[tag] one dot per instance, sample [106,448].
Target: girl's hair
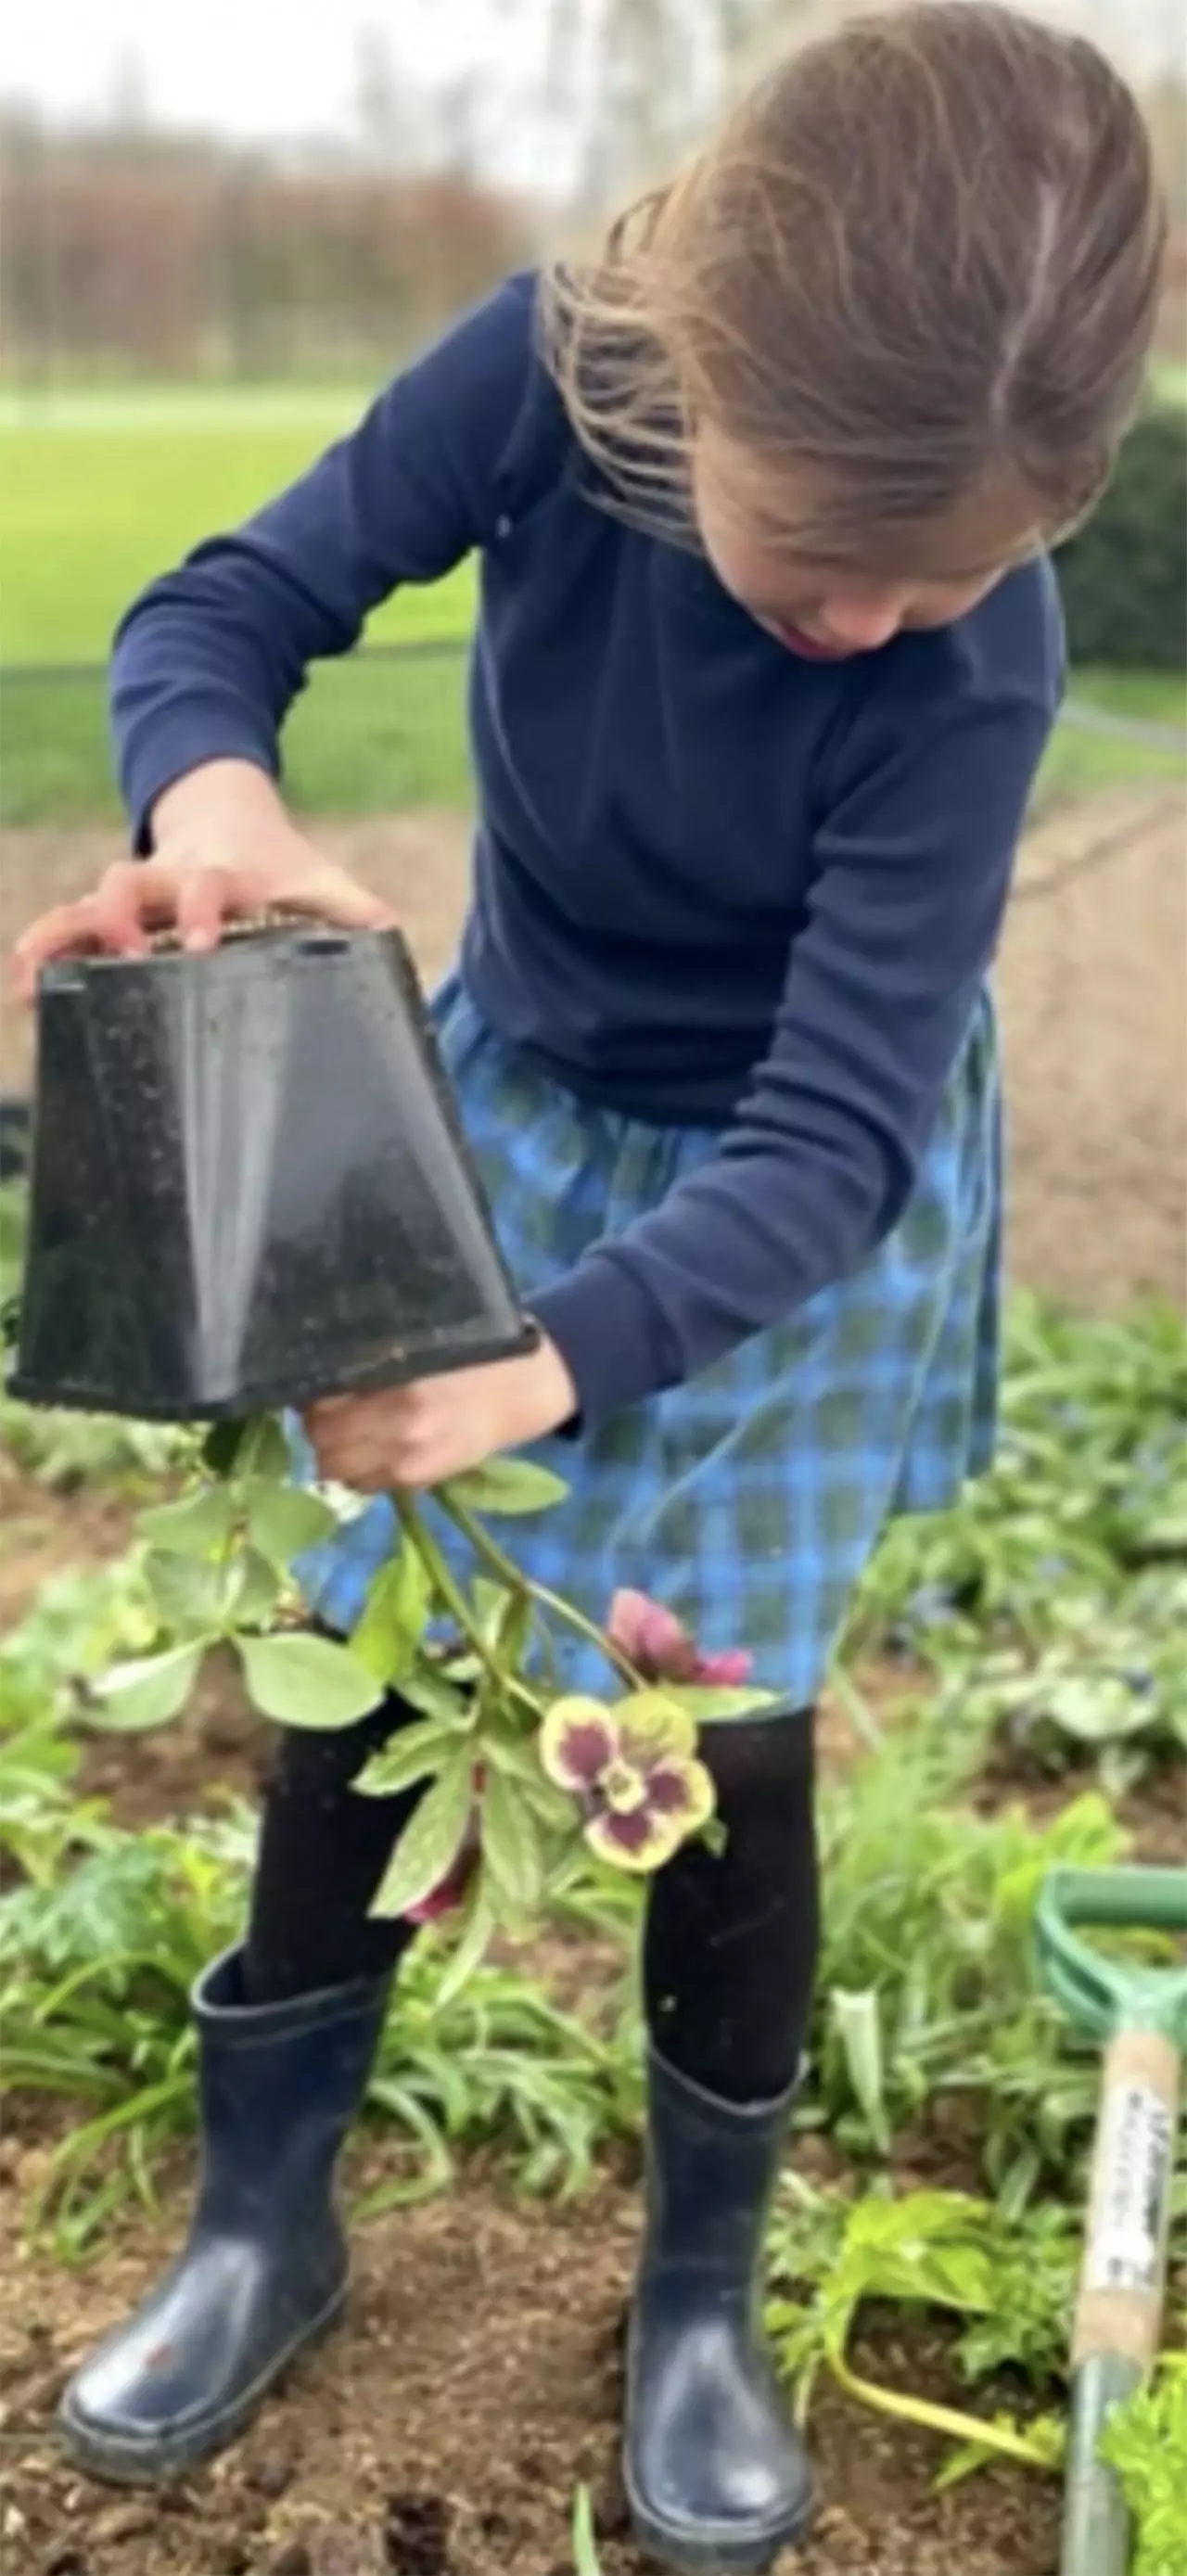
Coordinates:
[921,260]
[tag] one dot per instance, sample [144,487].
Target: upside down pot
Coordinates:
[249,1184]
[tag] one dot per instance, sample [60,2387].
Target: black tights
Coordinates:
[731,1938]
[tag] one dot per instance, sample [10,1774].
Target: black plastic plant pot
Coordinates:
[249,1185]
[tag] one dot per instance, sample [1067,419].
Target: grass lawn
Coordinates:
[100,490]
[92,506]
[1170,380]
[381,732]
[371,735]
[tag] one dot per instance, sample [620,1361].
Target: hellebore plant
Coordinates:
[518,1781]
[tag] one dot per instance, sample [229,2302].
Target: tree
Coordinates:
[129,95]
[641,80]
[380,118]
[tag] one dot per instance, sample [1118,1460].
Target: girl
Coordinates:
[767,655]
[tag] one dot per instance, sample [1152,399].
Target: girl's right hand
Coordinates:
[216,859]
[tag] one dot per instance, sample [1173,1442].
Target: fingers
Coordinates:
[128,895]
[330,895]
[132,898]
[372,1442]
[205,896]
[69,930]
[137,897]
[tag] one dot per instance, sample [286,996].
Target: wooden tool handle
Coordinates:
[1119,2310]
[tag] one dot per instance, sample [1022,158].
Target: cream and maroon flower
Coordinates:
[633,1772]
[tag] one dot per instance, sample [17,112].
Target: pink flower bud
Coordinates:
[662,1650]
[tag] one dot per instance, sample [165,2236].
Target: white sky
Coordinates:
[282,67]
[254,67]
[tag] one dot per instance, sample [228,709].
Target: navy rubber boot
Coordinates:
[716,2476]
[265,2266]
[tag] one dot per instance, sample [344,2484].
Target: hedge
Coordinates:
[1124,577]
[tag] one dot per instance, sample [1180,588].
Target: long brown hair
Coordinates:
[922,258]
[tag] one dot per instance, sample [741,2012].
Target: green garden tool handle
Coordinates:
[1103,1994]
[1118,2323]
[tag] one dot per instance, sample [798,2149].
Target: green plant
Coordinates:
[1123,578]
[928,1985]
[586,2561]
[1146,2443]
[95,1972]
[1048,1606]
[75,1625]
[1011,2282]
[516,1776]
[62,1450]
[1110,1681]
[1089,1485]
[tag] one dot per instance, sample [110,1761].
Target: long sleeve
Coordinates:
[911,871]
[210,658]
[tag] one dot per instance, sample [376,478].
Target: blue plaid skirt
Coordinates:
[749,1500]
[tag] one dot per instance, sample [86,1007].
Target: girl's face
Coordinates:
[825,609]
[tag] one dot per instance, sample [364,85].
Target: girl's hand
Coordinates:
[225,847]
[411,1437]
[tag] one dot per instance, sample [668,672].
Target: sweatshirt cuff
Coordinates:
[175,749]
[610,1336]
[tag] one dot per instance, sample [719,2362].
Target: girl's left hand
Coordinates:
[411,1437]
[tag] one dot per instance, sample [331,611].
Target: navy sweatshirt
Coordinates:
[713,883]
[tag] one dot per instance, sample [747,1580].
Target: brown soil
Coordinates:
[444,2431]
[1154,1811]
[1093,989]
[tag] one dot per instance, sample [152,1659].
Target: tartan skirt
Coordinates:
[749,1500]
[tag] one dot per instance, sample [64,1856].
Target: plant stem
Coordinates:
[509,1573]
[450,1593]
[939,2419]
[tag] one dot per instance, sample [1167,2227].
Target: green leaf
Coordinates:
[307,1681]
[412,1755]
[859,2027]
[192,1527]
[284,1521]
[133,1697]
[188,1592]
[513,1632]
[430,1841]
[586,2561]
[252,1591]
[709,1703]
[1099,1711]
[518,1759]
[511,1843]
[265,1451]
[393,1624]
[512,1487]
[429,1691]
[477,1930]
[518,1756]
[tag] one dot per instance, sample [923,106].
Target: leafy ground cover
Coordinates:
[1013,1692]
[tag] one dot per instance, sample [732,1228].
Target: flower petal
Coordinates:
[681,1790]
[728,1669]
[449,1891]
[652,1637]
[652,1723]
[641,1841]
[662,1649]
[577,1740]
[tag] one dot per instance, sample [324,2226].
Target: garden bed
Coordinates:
[476,2385]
